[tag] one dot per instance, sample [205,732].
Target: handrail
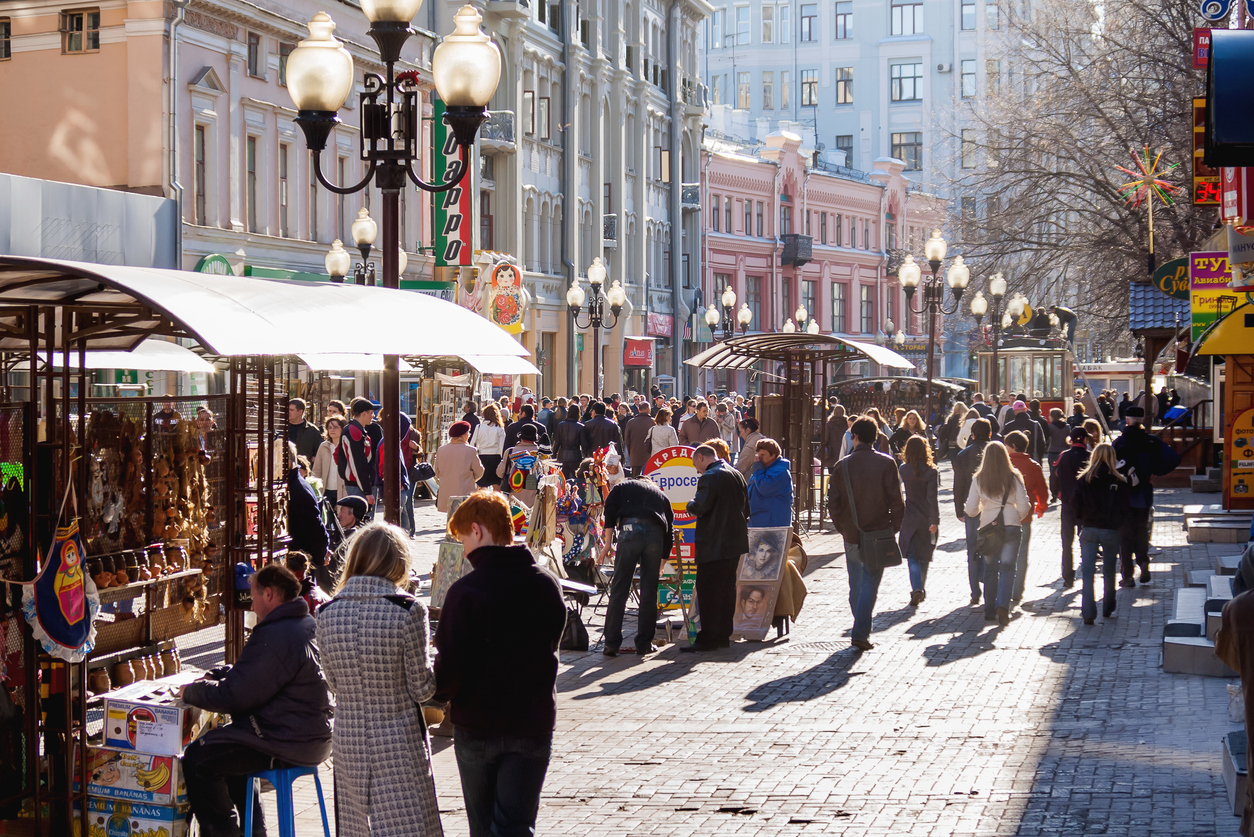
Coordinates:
[1192,414]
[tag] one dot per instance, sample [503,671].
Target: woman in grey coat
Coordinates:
[375,654]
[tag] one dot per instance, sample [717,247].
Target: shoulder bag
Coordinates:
[878,549]
[991,537]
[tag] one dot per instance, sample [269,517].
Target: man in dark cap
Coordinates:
[350,512]
[1141,457]
[1063,474]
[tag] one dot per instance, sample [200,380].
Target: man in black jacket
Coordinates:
[304,519]
[1147,456]
[304,434]
[278,702]
[966,464]
[721,507]
[868,500]
[644,521]
[1062,482]
[527,416]
[1023,421]
[636,438]
[600,431]
[497,666]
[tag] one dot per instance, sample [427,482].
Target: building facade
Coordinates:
[788,235]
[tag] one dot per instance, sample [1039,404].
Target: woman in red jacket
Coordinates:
[1038,496]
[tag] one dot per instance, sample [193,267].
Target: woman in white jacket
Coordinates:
[324,467]
[997,492]
[489,438]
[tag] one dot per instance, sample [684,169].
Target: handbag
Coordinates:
[878,549]
[574,634]
[991,537]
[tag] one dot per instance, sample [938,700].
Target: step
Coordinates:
[1199,578]
[1214,619]
[1188,614]
[1217,530]
[1193,655]
[1193,510]
[1218,592]
[1215,474]
[1228,564]
[1235,779]
[1196,483]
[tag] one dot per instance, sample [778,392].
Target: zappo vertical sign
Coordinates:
[453,212]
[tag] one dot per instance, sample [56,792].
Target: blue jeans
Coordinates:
[407,509]
[1091,539]
[502,776]
[864,586]
[916,566]
[975,566]
[1021,561]
[1069,527]
[999,573]
[644,545]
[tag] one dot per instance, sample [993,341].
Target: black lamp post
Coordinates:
[575,298]
[466,67]
[339,262]
[980,306]
[933,302]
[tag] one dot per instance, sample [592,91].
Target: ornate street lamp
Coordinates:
[789,326]
[711,319]
[339,262]
[466,67]
[980,306]
[909,276]
[744,317]
[575,298]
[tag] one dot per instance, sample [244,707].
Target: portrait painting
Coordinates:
[755,605]
[765,559]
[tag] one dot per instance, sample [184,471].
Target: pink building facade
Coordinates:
[787,235]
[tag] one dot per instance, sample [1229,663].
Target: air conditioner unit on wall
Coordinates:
[944,68]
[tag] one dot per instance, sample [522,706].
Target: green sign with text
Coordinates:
[1172,278]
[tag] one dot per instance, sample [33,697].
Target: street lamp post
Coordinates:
[617,298]
[980,306]
[466,67]
[933,303]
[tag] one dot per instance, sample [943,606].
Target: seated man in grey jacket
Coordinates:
[278,702]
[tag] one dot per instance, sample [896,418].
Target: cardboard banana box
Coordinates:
[138,777]
[118,818]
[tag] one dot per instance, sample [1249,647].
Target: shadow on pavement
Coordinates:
[815,682]
[675,666]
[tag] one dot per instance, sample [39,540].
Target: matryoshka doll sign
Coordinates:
[506,305]
[61,604]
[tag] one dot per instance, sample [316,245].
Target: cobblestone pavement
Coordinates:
[950,726]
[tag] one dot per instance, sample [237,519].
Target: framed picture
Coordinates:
[755,607]
[768,549]
[449,567]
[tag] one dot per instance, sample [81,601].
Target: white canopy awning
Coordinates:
[501,364]
[238,315]
[152,355]
[347,361]
[744,351]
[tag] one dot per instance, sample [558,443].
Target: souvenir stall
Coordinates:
[886,394]
[124,522]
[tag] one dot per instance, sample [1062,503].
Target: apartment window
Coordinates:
[714,213]
[753,298]
[550,13]
[992,69]
[748,210]
[844,142]
[250,162]
[867,308]
[542,117]
[844,20]
[810,297]
[6,36]
[768,90]
[529,112]
[199,178]
[809,21]
[785,298]
[785,220]
[968,217]
[785,24]
[968,78]
[890,303]
[284,51]
[809,88]
[807,217]
[907,18]
[727,214]
[839,323]
[866,234]
[968,14]
[716,90]
[742,91]
[994,147]
[742,26]
[906,82]
[768,24]
[838,228]
[784,84]
[822,227]
[716,29]
[254,56]
[313,204]
[80,30]
[485,220]
[284,230]
[844,85]
[993,16]
[968,148]
[759,217]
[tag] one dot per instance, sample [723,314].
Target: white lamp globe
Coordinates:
[320,69]
[466,66]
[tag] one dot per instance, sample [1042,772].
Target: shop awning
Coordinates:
[1233,335]
[152,355]
[744,351]
[347,362]
[234,315]
[501,364]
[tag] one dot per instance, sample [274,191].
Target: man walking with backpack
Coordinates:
[1141,457]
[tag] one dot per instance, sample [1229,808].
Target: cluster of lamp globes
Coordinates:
[338,261]
[576,295]
[743,317]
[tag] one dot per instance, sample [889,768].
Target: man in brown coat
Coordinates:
[636,438]
[700,428]
[457,466]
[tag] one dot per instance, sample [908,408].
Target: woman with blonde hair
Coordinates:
[910,425]
[1094,429]
[1000,499]
[1102,501]
[921,520]
[947,437]
[375,653]
[489,438]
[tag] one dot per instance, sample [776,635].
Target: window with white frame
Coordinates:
[992,16]
[768,24]
[742,91]
[742,26]
[716,29]
[838,230]
[785,24]
[200,175]
[785,85]
[727,214]
[968,148]
[714,213]
[968,78]
[867,308]
[992,71]
[906,82]
[284,200]
[759,217]
[768,90]
[256,68]
[844,142]
[839,323]
[747,206]
[250,166]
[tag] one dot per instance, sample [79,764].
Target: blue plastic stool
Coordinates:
[282,779]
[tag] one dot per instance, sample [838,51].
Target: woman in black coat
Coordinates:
[568,441]
[1102,501]
[921,520]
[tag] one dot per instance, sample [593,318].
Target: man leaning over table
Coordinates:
[278,702]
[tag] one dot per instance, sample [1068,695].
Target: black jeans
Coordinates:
[1069,528]
[216,775]
[642,544]
[501,781]
[1134,538]
[716,601]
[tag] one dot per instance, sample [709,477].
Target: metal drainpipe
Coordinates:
[881,280]
[566,177]
[677,189]
[176,188]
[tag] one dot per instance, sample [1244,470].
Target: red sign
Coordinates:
[1236,190]
[660,325]
[637,352]
[1201,49]
[1205,178]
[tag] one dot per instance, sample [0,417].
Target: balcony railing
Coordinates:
[842,171]
[609,230]
[510,8]
[499,128]
[693,92]
[798,249]
[690,196]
